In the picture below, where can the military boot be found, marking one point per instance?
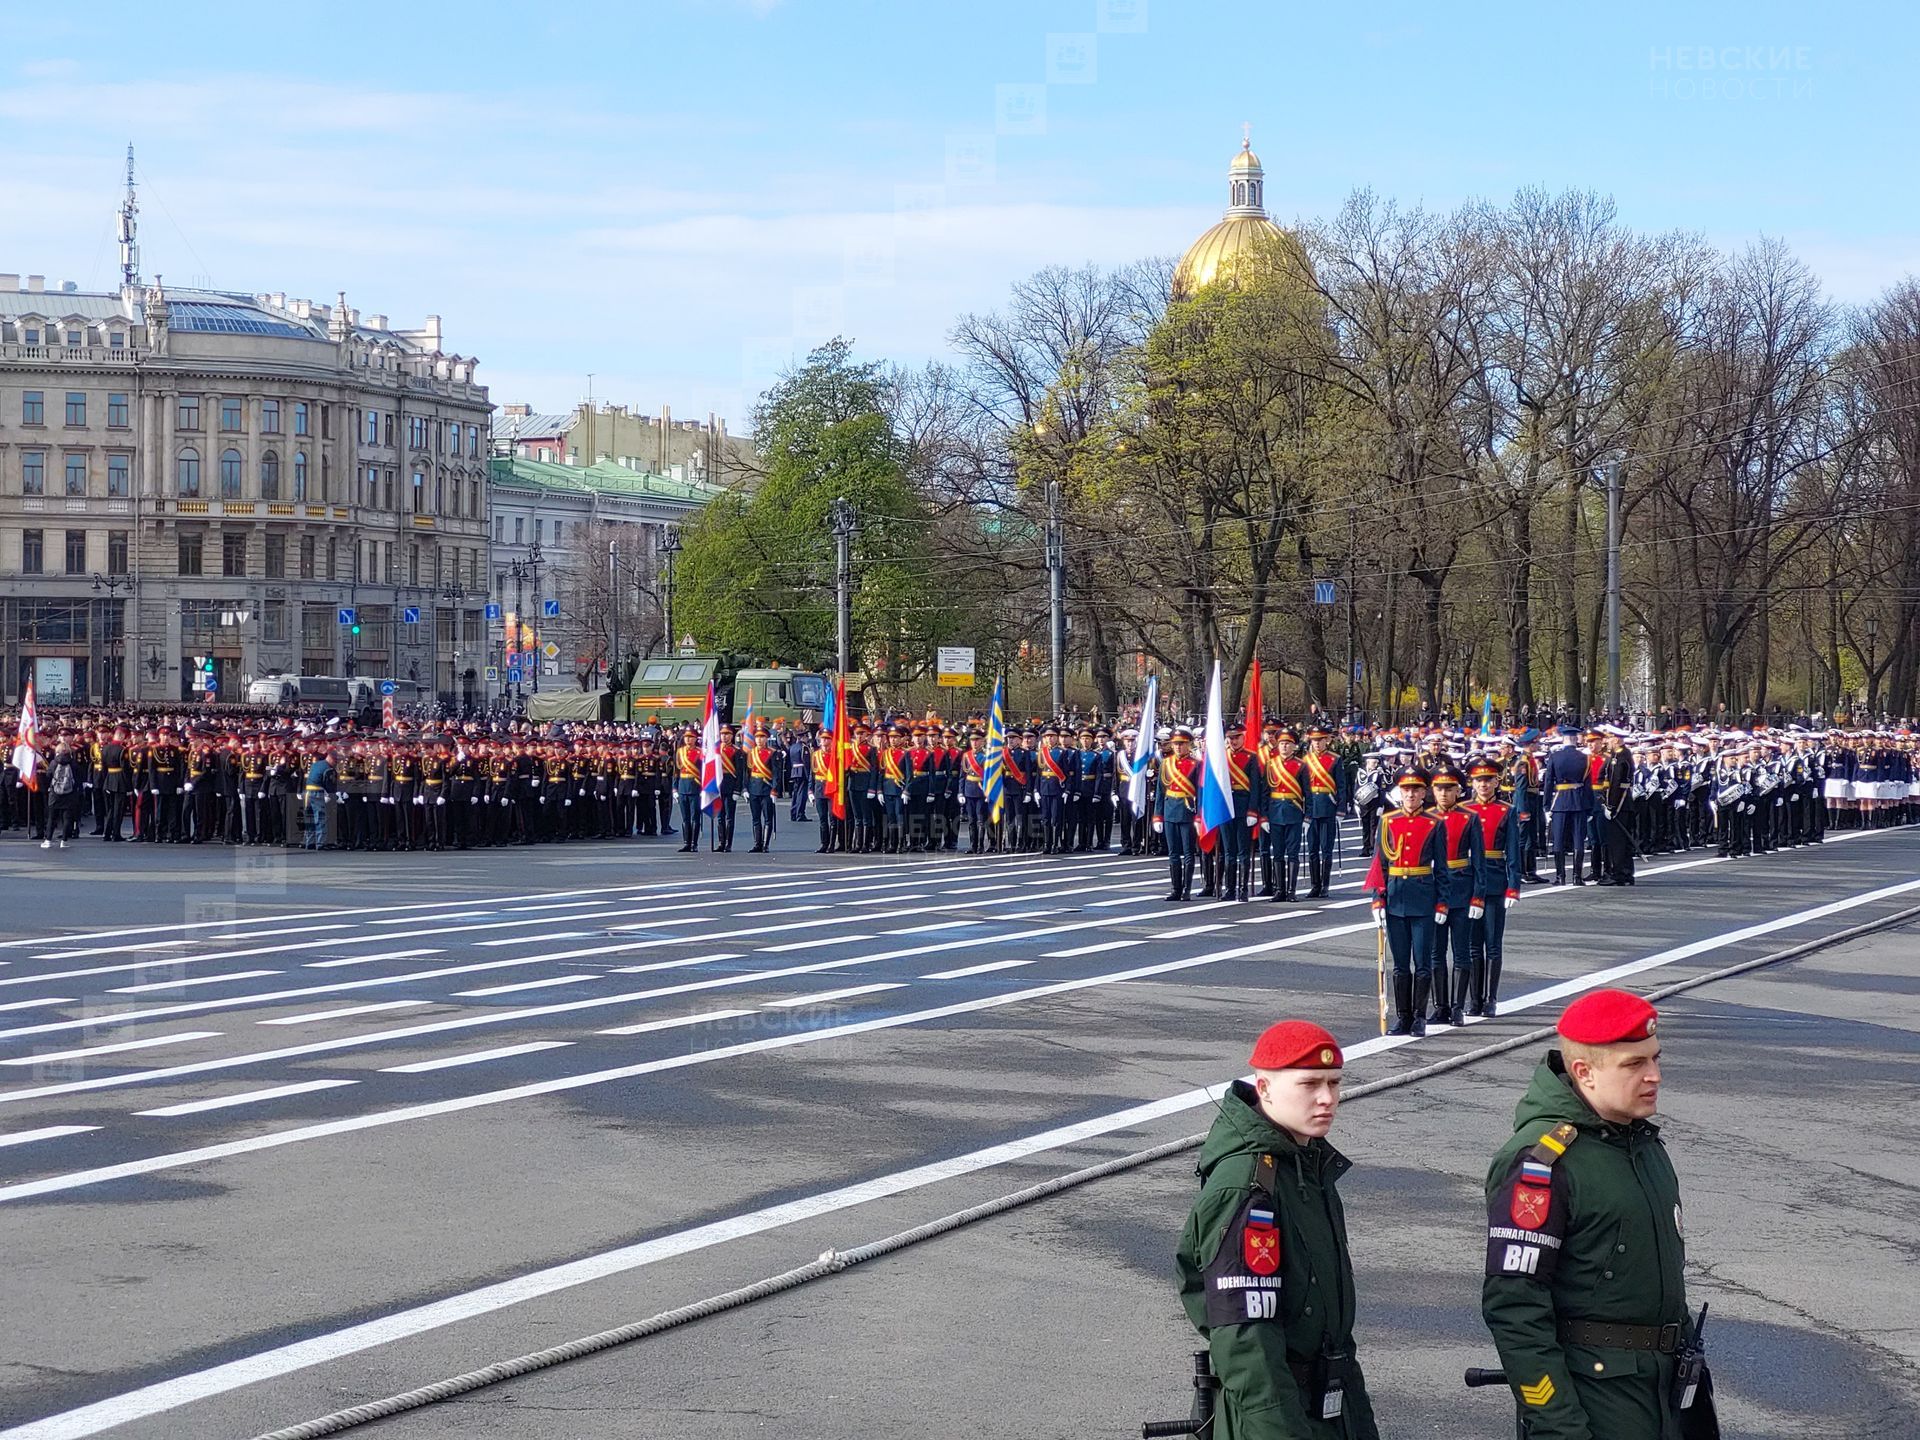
(1402, 1005)
(1422, 986)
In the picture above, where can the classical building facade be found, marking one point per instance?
(553, 528)
(196, 485)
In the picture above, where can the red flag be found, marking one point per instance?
(1250, 742)
(26, 747)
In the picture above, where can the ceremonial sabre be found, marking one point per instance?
(1380, 973)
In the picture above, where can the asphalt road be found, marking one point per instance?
(601, 1081)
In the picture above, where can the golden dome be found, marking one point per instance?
(1213, 255)
(1244, 230)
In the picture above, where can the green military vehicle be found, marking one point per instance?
(673, 688)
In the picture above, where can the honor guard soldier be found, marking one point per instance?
(762, 771)
(820, 764)
(686, 786)
(1051, 762)
(1585, 1289)
(1499, 884)
(1265, 1273)
(973, 771)
(1016, 789)
(1286, 815)
(1326, 800)
(1457, 882)
(1406, 900)
(1175, 809)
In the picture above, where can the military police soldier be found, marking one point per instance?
(1264, 1271)
(1585, 1290)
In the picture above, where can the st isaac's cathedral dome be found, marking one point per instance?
(1243, 230)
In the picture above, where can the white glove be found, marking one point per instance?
(536, 784)
(441, 801)
(189, 787)
(1253, 822)
(1379, 917)
(1439, 917)
(419, 799)
(1474, 912)
(1512, 900)
(1159, 827)
(873, 794)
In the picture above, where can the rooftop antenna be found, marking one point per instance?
(129, 222)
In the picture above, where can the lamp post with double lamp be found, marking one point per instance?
(116, 687)
(669, 547)
(453, 592)
(523, 570)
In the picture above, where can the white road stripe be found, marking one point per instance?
(50, 1132)
(474, 1057)
(344, 1011)
(251, 1097)
(967, 970)
(370, 959)
(166, 944)
(831, 995)
(1190, 930)
(199, 980)
(676, 964)
(541, 939)
(647, 1027)
(43, 1002)
(1089, 949)
(91, 1052)
(930, 929)
(525, 985)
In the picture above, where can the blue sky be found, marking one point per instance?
(680, 196)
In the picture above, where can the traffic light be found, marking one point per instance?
(356, 627)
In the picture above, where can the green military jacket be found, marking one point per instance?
(1265, 1277)
(1583, 1223)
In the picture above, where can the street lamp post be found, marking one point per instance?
(1873, 651)
(453, 593)
(669, 547)
(522, 571)
(113, 585)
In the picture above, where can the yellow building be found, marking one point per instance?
(1243, 231)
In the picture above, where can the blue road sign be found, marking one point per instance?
(1323, 592)
(493, 612)
(387, 687)
(213, 684)
(513, 674)
(346, 615)
(549, 609)
(410, 615)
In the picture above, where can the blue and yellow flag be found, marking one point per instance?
(1486, 713)
(996, 751)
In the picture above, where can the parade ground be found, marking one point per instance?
(282, 1133)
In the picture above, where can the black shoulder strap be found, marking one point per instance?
(1265, 1175)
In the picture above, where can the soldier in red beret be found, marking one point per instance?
(1264, 1271)
(1585, 1289)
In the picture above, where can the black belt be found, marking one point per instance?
(1604, 1335)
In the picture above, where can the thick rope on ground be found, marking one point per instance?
(834, 1261)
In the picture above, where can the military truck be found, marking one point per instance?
(673, 688)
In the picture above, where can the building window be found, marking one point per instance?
(119, 476)
(539, 530)
(33, 472)
(473, 498)
(373, 427)
(439, 495)
(413, 564)
(186, 413)
(230, 411)
(276, 557)
(116, 552)
(270, 416)
(389, 561)
(233, 555)
(556, 534)
(473, 439)
(419, 491)
(388, 481)
(273, 622)
(76, 552)
(300, 475)
(309, 547)
(453, 438)
(300, 418)
(187, 471)
(333, 559)
(30, 336)
(191, 545)
(76, 408)
(33, 406)
(499, 528)
(74, 338)
(519, 529)
(117, 340)
(32, 552)
(116, 412)
(326, 421)
(387, 430)
(76, 474)
(230, 468)
(270, 475)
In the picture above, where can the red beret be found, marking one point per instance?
(1608, 1017)
(1296, 1045)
